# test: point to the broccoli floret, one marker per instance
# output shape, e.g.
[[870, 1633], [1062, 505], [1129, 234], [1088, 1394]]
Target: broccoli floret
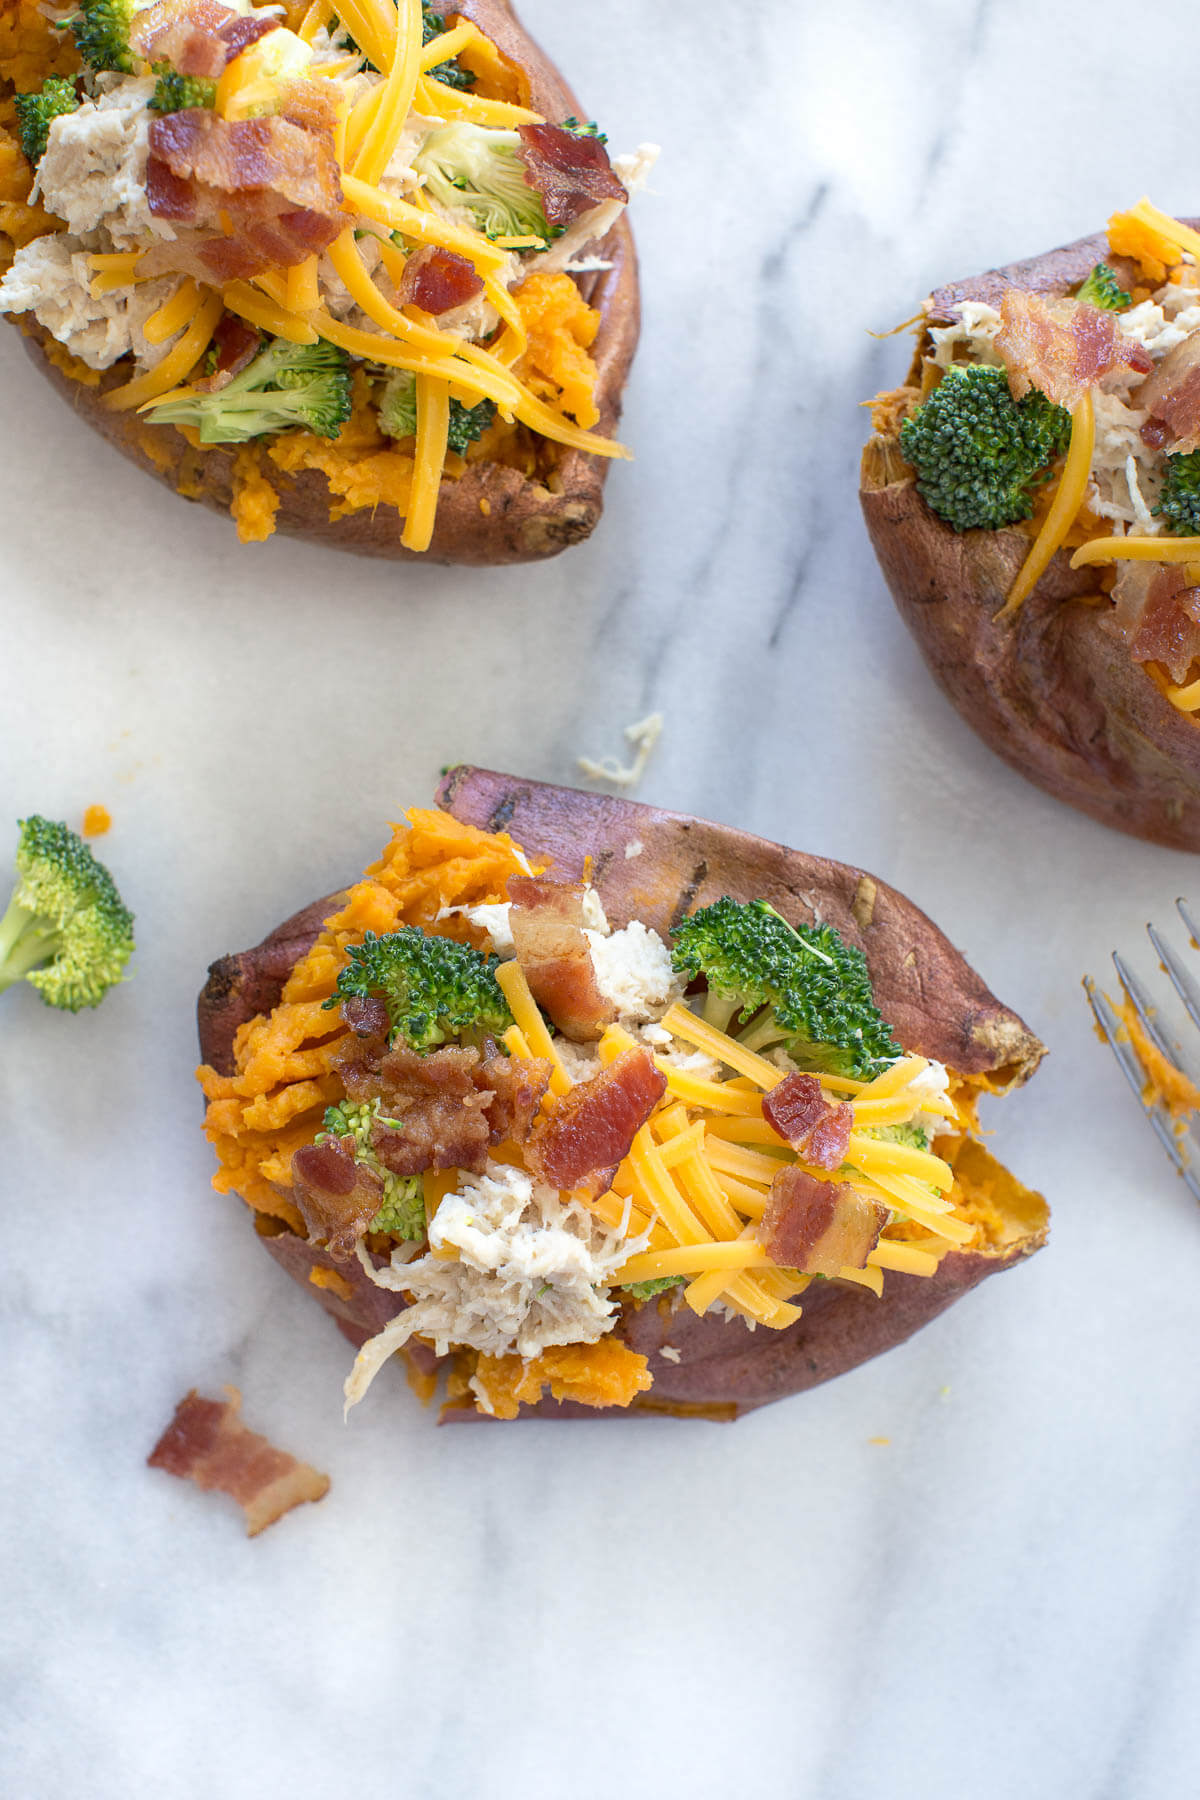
[[402, 1212], [1179, 502], [101, 29], [448, 73], [645, 1290], [802, 987], [175, 93], [1103, 289], [66, 930], [288, 387], [591, 129], [397, 402], [479, 169], [915, 1136], [434, 989], [36, 112], [978, 453]]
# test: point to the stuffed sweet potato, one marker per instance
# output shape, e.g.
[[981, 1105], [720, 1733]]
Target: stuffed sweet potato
[[1033, 496], [680, 1121], [358, 274]]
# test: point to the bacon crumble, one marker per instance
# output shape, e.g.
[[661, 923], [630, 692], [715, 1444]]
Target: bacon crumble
[[1062, 347], [438, 280], [798, 1110], [206, 1442], [546, 920], [571, 173], [819, 1227], [593, 1127]]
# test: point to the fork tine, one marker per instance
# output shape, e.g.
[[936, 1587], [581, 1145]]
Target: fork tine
[[1111, 1027], [1193, 930], [1144, 1007], [1181, 978]]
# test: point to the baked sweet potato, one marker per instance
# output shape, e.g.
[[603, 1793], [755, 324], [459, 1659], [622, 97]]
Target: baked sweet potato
[[657, 866], [523, 498], [1052, 688]]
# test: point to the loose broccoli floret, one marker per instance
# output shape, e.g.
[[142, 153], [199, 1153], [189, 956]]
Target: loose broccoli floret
[[397, 402], [175, 93], [799, 987], [1103, 289], [288, 387], [978, 453], [1179, 502], [434, 989], [479, 169], [66, 930], [101, 29], [36, 112], [402, 1212], [645, 1290]]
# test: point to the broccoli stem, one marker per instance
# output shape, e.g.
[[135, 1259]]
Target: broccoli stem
[[718, 1011], [24, 944]]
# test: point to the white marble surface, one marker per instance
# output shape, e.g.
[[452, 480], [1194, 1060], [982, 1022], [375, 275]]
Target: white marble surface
[[1001, 1599]]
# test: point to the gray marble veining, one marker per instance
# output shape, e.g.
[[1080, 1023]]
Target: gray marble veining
[[999, 1600]]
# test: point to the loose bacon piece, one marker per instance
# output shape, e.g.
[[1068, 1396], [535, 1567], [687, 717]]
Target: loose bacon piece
[[438, 280], [1172, 398], [800, 1113], [593, 1126], [572, 174], [1061, 347], [206, 1442], [274, 182], [236, 345], [1158, 615], [547, 927], [819, 1227], [336, 1195]]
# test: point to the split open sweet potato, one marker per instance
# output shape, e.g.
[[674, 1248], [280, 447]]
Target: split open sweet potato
[[1052, 689], [656, 866]]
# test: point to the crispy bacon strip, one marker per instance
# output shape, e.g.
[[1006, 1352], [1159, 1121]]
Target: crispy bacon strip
[[336, 1195], [572, 174], [547, 926], [819, 1227], [438, 280], [236, 345], [1172, 398], [593, 1126], [1158, 615], [1061, 347], [206, 1442], [800, 1113], [273, 181]]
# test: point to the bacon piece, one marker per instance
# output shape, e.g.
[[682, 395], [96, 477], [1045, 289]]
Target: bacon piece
[[1061, 347], [438, 280], [437, 1097], [572, 174], [517, 1086], [260, 193], [1172, 398], [593, 1126], [547, 926], [1158, 615], [336, 1195], [240, 33], [236, 345], [819, 1227], [800, 1113], [188, 34], [206, 1442], [367, 1017]]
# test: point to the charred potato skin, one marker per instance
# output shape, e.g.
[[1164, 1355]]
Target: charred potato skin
[[492, 514], [1054, 691], [936, 1001]]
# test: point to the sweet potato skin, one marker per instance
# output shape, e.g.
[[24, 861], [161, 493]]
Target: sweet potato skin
[[1053, 691], [937, 1003], [491, 514]]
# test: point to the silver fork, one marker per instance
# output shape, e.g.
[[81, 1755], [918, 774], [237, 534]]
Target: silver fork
[[1117, 1038]]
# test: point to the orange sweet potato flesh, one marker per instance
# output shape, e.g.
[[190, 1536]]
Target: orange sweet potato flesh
[[935, 1001], [1054, 690], [492, 514]]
